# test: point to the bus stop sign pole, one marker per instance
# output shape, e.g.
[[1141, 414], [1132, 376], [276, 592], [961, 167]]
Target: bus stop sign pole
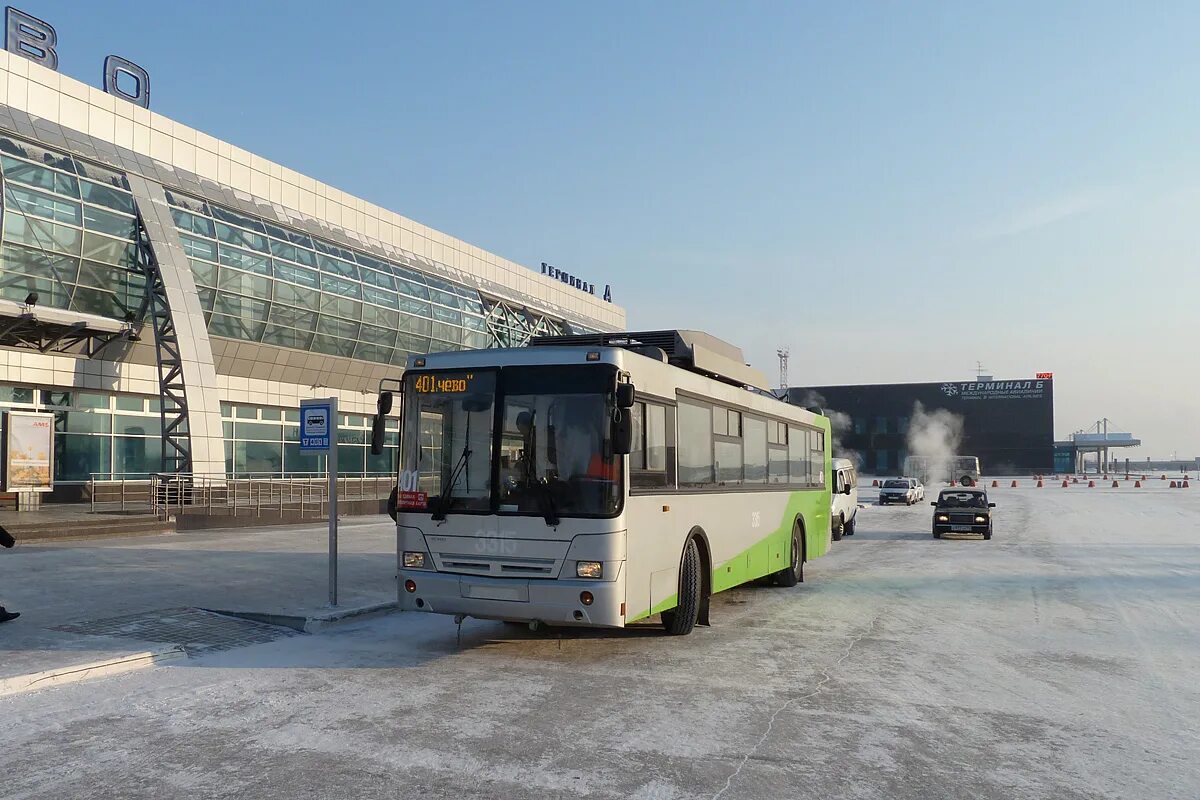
[[318, 434]]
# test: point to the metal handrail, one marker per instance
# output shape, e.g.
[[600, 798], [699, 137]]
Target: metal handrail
[[218, 493], [127, 485]]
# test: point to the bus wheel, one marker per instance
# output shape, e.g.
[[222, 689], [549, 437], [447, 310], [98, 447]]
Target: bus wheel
[[794, 572], [839, 527], [680, 620]]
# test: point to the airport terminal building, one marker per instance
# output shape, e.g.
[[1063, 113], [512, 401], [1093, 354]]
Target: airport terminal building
[[172, 298], [1008, 424]]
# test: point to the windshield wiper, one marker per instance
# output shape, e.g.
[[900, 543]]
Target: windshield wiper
[[443, 499]]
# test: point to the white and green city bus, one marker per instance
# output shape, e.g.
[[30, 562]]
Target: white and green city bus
[[601, 479]]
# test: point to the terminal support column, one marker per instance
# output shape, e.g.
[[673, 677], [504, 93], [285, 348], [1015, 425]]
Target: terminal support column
[[195, 374]]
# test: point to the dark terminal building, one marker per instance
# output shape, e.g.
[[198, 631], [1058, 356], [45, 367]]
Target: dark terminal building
[[1008, 424]]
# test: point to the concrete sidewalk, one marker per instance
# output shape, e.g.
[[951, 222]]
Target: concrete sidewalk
[[127, 601]]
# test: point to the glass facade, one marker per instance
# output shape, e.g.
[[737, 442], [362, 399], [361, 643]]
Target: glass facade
[[70, 233], [262, 282]]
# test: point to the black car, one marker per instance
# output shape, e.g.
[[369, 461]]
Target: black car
[[962, 510]]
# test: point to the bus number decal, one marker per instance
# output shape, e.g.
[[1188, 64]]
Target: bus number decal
[[495, 546]]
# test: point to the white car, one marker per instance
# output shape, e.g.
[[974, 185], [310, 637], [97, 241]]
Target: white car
[[901, 490], [843, 515]]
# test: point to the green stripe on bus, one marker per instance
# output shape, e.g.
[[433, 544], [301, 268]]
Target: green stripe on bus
[[769, 554]]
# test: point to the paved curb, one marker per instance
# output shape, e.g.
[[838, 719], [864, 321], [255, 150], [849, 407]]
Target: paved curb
[[314, 623], [34, 681]]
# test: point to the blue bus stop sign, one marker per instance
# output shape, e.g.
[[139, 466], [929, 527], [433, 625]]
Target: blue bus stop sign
[[316, 425]]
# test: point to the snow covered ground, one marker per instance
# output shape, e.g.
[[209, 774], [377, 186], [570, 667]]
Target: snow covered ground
[[1058, 660]]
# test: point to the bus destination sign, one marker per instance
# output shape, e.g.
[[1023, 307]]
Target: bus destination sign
[[443, 384]]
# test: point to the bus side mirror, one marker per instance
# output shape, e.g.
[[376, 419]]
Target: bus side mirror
[[625, 395], [391, 503], [933, 504], [622, 432], [379, 422], [991, 505]]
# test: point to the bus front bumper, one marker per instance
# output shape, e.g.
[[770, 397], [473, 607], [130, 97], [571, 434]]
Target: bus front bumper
[[553, 601]]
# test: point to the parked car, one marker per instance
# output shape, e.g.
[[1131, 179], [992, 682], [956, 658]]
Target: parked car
[[962, 510], [844, 512], [901, 490]]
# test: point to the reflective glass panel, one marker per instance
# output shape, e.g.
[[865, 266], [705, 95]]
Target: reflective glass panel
[[193, 223], [297, 296], [107, 222], [107, 196], [295, 274], [241, 238], [234, 218], [198, 248], [44, 205]]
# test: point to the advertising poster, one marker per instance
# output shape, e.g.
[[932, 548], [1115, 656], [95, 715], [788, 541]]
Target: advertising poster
[[28, 452]]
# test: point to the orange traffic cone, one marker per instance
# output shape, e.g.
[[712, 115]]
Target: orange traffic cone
[[1074, 480], [1173, 485], [1039, 484], [952, 483], [1066, 483], [1116, 485], [875, 483], [1137, 484], [1186, 485], [996, 484], [1164, 477], [1014, 484], [1091, 484]]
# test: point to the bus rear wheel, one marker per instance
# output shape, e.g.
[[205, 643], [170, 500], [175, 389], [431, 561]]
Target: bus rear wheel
[[794, 572], [680, 620]]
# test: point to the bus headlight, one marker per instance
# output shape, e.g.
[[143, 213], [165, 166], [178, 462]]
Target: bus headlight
[[943, 518], [980, 519], [589, 569], [414, 560]]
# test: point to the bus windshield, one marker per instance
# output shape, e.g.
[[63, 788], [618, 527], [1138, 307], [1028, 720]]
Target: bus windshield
[[447, 440], [552, 455]]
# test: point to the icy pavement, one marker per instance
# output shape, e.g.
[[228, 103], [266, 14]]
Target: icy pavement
[[1058, 660], [59, 587]]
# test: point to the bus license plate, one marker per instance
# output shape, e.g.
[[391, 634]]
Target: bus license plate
[[960, 528]]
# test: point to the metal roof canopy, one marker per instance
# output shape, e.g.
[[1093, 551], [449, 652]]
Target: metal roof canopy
[[54, 330], [692, 350]]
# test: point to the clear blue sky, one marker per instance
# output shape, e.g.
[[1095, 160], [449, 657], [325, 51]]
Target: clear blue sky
[[893, 190]]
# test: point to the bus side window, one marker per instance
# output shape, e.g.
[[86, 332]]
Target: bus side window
[[652, 464], [637, 456], [696, 466]]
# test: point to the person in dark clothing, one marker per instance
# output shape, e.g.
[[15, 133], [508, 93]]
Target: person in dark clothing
[[6, 540]]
